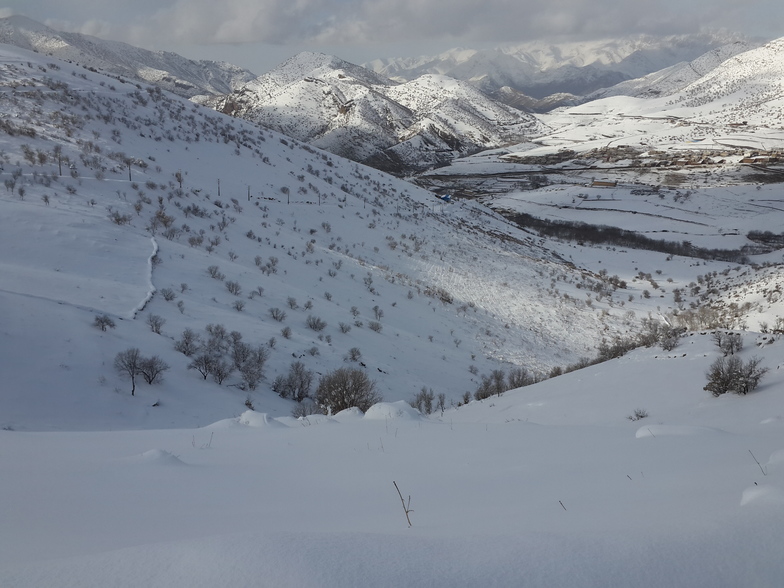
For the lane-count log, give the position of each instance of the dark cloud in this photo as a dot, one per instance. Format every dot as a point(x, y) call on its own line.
point(371, 21)
point(391, 23)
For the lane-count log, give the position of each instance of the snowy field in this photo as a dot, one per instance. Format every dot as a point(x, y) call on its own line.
point(548, 485)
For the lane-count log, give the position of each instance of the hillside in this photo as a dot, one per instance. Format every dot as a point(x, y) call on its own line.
point(131, 216)
point(354, 113)
point(155, 191)
point(167, 70)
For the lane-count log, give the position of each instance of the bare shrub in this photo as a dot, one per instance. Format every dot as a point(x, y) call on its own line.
point(423, 401)
point(296, 384)
point(731, 374)
point(103, 322)
point(315, 323)
point(277, 314)
point(354, 354)
point(638, 414)
point(346, 388)
point(155, 322)
point(215, 273)
point(234, 287)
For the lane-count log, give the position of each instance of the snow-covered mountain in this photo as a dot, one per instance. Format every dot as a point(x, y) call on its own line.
point(539, 69)
point(167, 70)
point(674, 78)
point(355, 113)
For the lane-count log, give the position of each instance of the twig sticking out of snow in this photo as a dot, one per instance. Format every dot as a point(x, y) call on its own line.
point(406, 507)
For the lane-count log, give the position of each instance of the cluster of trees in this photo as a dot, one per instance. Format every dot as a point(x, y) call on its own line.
point(575, 231)
point(499, 382)
point(220, 353)
point(729, 373)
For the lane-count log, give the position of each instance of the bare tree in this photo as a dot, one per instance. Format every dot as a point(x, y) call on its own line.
point(189, 343)
point(128, 363)
point(151, 368)
point(103, 322)
point(296, 384)
point(203, 364)
point(423, 401)
point(252, 368)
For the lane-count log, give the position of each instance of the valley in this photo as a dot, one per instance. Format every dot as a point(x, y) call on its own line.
point(537, 357)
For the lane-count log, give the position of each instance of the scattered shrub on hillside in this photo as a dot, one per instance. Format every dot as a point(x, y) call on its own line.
point(728, 343)
point(215, 273)
point(277, 314)
point(250, 362)
point(306, 408)
point(234, 287)
point(203, 364)
point(155, 322)
point(189, 343)
point(731, 374)
point(519, 377)
point(423, 401)
point(315, 323)
point(103, 322)
point(495, 384)
point(296, 384)
point(346, 388)
point(638, 414)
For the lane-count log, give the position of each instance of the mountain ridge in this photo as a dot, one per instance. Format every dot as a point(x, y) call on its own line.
point(167, 70)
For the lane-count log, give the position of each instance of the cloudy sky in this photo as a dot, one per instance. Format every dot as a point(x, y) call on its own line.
point(259, 34)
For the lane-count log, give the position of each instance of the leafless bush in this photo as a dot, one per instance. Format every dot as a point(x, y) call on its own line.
point(315, 323)
point(277, 314)
point(155, 322)
point(346, 388)
point(103, 322)
point(296, 384)
point(234, 287)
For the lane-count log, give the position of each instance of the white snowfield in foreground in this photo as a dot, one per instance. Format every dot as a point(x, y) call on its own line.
point(549, 485)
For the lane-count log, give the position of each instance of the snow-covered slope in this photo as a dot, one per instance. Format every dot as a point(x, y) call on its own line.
point(549, 485)
point(167, 70)
point(354, 113)
point(429, 294)
point(674, 78)
point(541, 68)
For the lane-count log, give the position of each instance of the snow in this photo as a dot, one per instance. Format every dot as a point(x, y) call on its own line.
point(555, 484)
point(496, 500)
